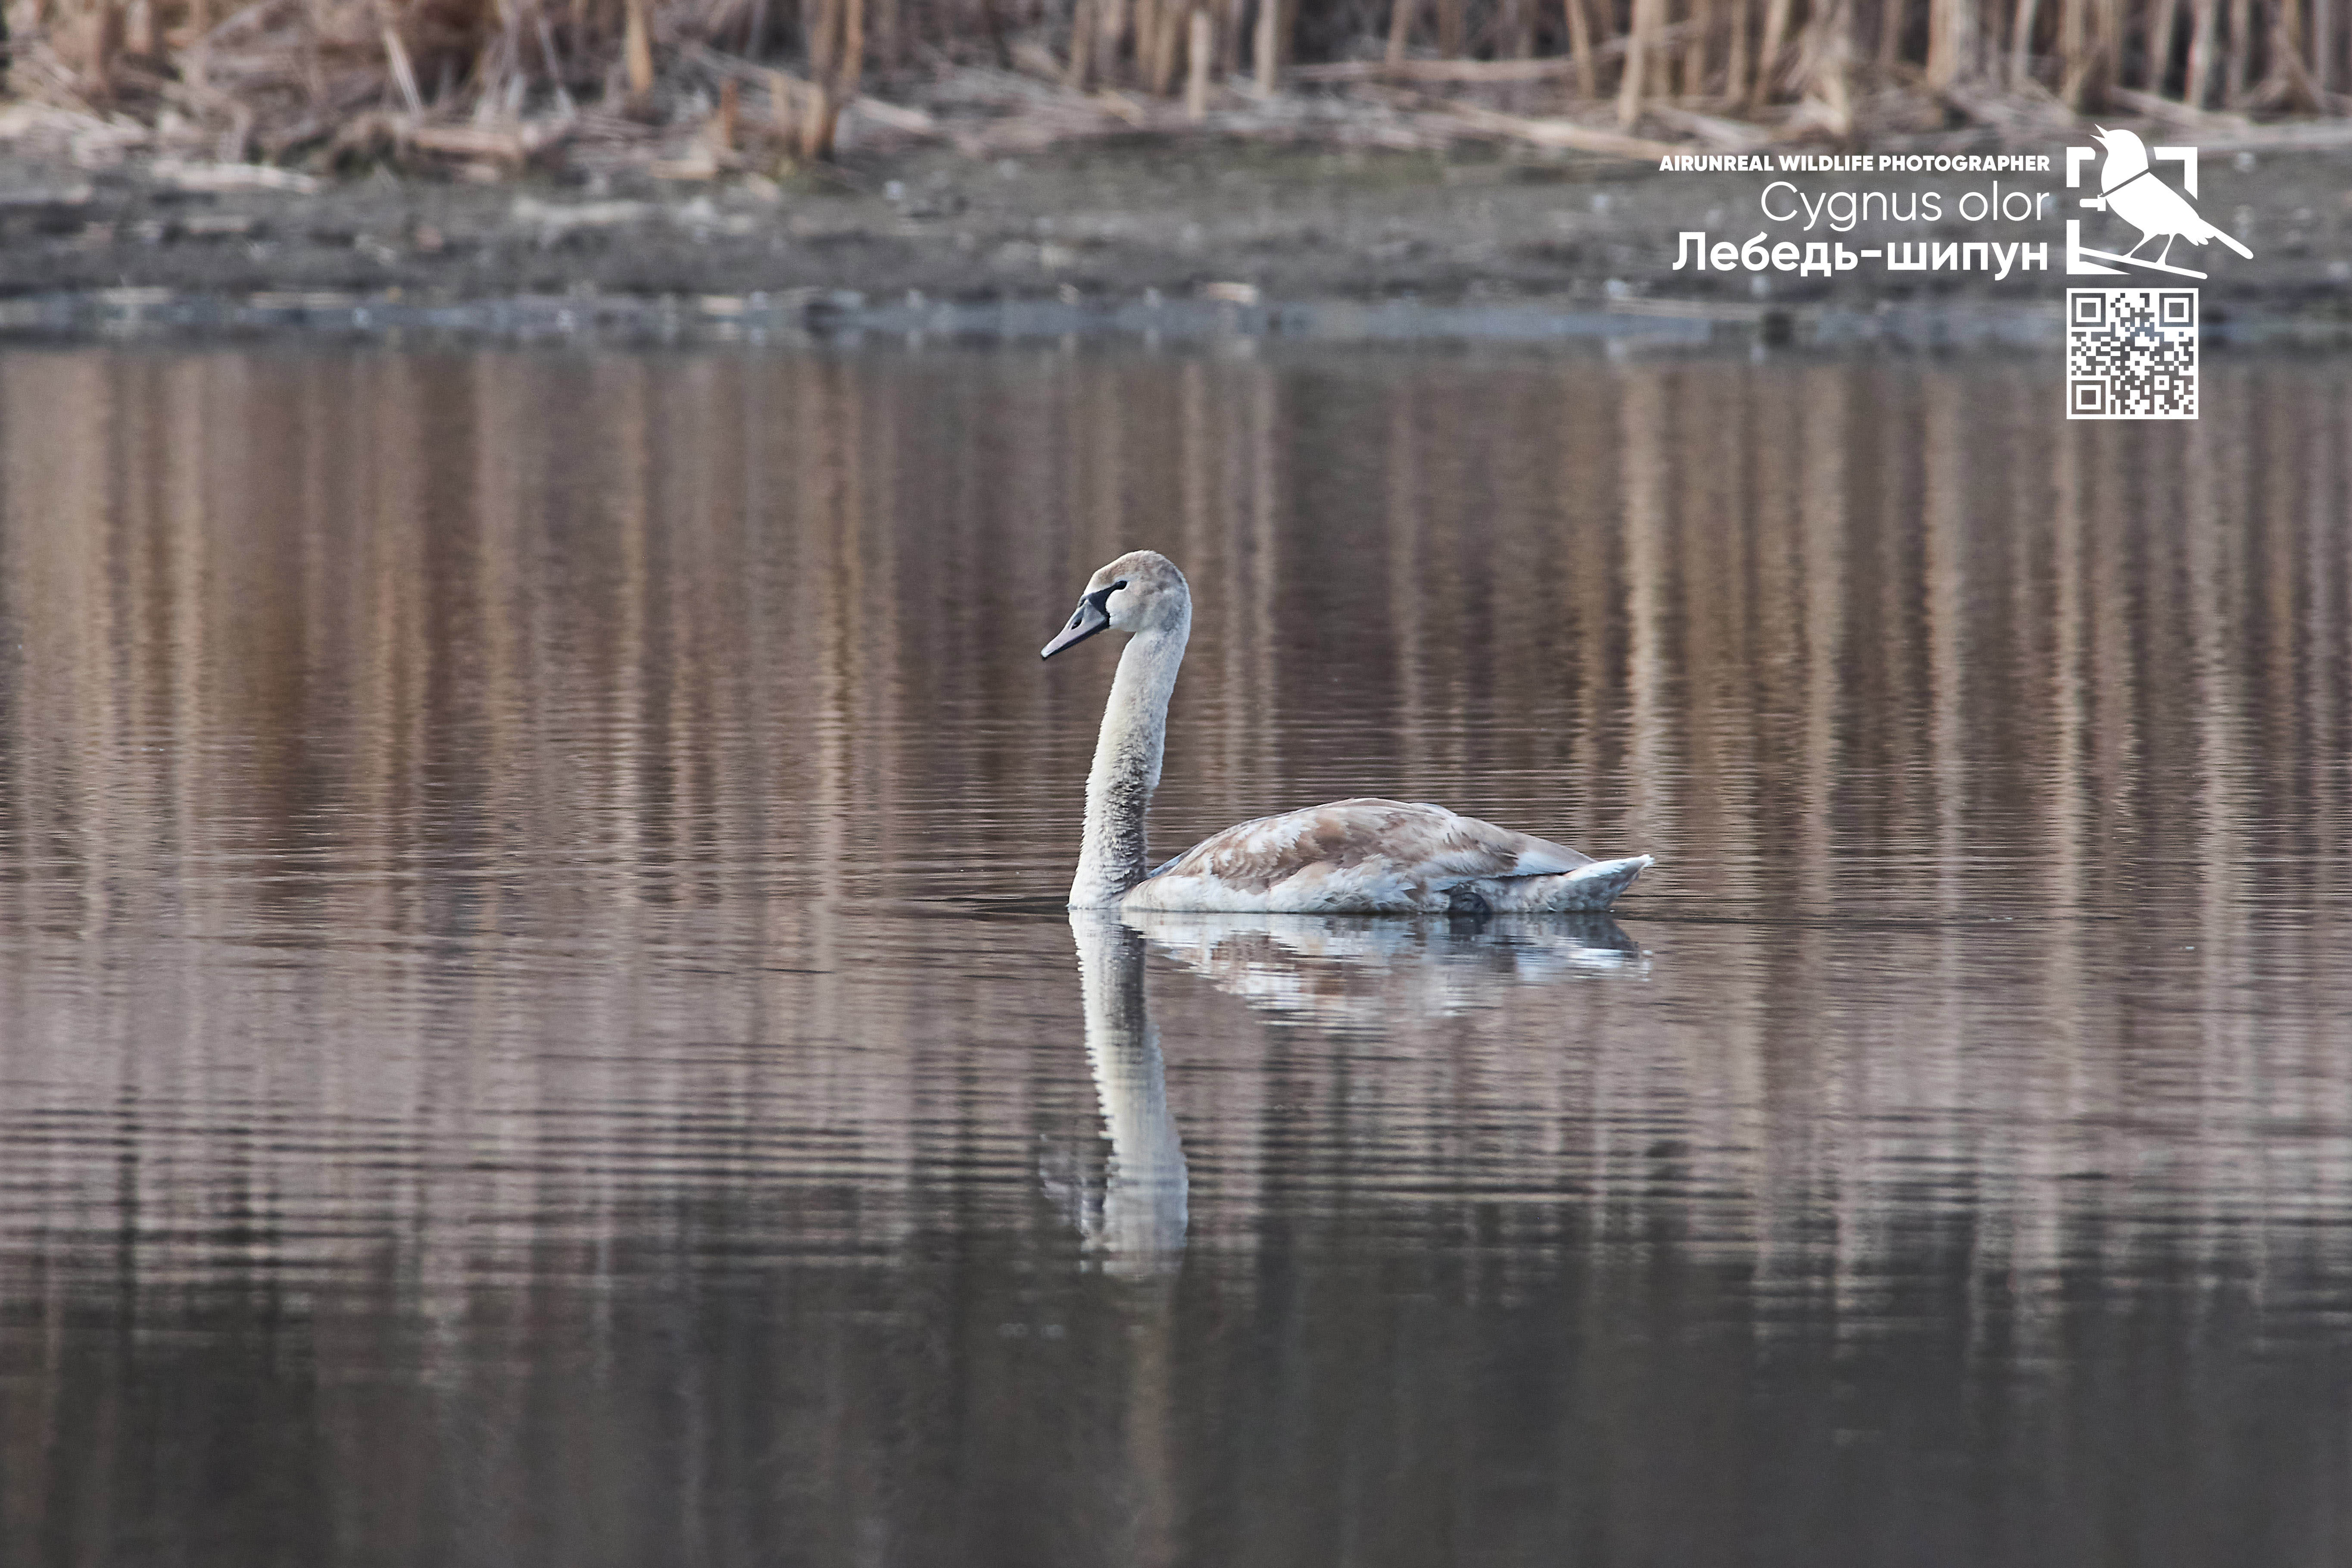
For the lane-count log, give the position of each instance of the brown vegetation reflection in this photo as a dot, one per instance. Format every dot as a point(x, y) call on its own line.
point(475, 822)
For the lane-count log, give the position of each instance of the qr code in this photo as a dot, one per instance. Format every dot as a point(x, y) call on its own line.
point(2131, 354)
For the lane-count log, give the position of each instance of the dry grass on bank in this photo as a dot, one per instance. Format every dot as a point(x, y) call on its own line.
point(691, 87)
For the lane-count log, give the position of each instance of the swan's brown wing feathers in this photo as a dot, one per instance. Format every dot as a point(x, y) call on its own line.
point(1421, 844)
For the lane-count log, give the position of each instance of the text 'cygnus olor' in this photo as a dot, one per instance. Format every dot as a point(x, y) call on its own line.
point(1351, 856)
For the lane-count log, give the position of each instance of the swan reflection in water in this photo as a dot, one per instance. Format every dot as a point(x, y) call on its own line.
point(1310, 968)
point(1136, 1220)
point(1365, 973)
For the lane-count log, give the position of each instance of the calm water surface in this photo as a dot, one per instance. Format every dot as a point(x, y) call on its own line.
point(535, 1025)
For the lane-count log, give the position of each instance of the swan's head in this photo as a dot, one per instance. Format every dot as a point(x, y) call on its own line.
point(1139, 592)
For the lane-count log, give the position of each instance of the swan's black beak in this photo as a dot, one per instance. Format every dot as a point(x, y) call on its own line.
point(1091, 618)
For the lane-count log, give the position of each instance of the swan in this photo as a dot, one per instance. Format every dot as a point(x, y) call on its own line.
point(1360, 857)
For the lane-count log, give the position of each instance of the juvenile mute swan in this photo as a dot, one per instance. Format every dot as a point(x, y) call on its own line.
point(1351, 856)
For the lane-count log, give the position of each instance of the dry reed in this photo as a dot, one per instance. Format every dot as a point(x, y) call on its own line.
point(506, 81)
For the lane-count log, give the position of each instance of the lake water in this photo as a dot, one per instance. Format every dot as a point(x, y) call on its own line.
point(540, 1025)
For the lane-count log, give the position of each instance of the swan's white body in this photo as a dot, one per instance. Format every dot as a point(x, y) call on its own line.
point(1377, 857)
point(1352, 857)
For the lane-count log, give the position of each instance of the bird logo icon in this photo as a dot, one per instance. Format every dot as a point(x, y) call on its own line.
point(2130, 188)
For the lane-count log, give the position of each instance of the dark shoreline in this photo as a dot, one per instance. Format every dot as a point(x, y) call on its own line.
point(848, 319)
point(1143, 241)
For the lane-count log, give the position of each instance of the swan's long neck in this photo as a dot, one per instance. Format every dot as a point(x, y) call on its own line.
point(1126, 765)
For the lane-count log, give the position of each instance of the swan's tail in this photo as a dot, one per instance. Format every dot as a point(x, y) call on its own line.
point(1588, 888)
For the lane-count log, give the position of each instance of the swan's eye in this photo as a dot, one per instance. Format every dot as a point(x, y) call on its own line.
point(1114, 587)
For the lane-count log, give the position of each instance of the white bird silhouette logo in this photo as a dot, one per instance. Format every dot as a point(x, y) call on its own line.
point(2129, 189)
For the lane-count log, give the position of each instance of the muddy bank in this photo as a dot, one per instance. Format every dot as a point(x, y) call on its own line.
point(1200, 235)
